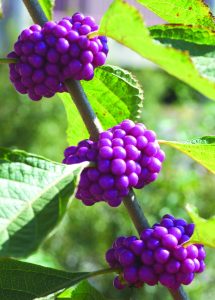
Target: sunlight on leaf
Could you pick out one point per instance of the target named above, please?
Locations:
(81, 291)
(34, 194)
(193, 12)
(204, 228)
(193, 34)
(201, 150)
(123, 23)
(47, 6)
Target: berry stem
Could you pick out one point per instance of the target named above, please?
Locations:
(178, 294)
(8, 60)
(135, 212)
(35, 11)
(101, 272)
(94, 128)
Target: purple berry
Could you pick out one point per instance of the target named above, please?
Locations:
(176, 232)
(192, 251)
(106, 182)
(168, 280)
(187, 266)
(180, 253)
(119, 242)
(189, 229)
(146, 274)
(117, 284)
(159, 232)
(201, 253)
(126, 258)
(166, 222)
(173, 266)
(169, 241)
(161, 255)
(127, 242)
(118, 166)
(130, 274)
(137, 247)
(152, 243)
(147, 257)
(184, 278)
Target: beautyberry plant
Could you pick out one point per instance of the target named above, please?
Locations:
(58, 57)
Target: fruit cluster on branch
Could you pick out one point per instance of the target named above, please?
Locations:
(56, 52)
(157, 256)
(125, 156)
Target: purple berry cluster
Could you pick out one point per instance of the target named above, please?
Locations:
(125, 156)
(50, 55)
(158, 256)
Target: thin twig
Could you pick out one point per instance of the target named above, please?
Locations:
(135, 212)
(8, 60)
(94, 128)
(36, 12)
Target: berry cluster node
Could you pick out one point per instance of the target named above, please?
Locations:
(56, 52)
(125, 156)
(158, 256)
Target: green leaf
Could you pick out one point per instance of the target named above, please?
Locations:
(34, 193)
(47, 6)
(20, 280)
(201, 150)
(202, 56)
(114, 95)
(76, 129)
(82, 291)
(124, 23)
(204, 229)
(188, 33)
(193, 12)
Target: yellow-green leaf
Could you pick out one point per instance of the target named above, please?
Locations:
(204, 229)
(189, 33)
(201, 150)
(47, 6)
(194, 12)
(125, 24)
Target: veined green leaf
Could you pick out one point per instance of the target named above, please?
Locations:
(81, 291)
(114, 95)
(189, 33)
(204, 229)
(201, 150)
(202, 56)
(192, 12)
(124, 23)
(47, 6)
(20, 280)
(34, 193)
